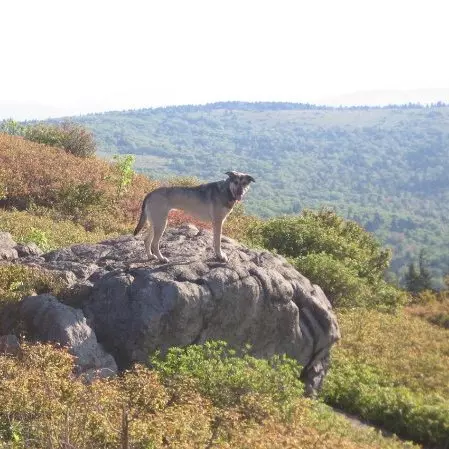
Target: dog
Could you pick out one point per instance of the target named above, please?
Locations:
(208, 202)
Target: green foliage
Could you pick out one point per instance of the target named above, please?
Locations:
(125, 173)
(75, 200)
(337, 254)
(48, 229)
(44, 406)
(74, 138)
(361, 389)
(393, 369)
(227, 378)
(419, 280)
(17, 281)
(39, 237)
(12, 127)
(43, 133)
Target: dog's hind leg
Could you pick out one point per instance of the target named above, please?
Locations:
(148, 242)
(158, 223)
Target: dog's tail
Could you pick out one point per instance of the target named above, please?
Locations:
(142, 219)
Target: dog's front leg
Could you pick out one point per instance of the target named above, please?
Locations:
(217, 227)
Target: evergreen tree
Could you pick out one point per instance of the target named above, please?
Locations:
(425, 278)
(412, 279)
(418, 280)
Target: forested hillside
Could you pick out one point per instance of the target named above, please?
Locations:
(384, 167)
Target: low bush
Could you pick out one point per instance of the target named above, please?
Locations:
(48, 230)
(17, 281)
(393, 370)
(363, 390)
(434, 309)
(83, 190)
(339, 255)
(72, 137)
(229, 380)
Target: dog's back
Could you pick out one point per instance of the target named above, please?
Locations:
(196, 201)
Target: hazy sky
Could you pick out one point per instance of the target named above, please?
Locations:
(94, 55)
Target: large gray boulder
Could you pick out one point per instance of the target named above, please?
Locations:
(136, 306)
(47, 319)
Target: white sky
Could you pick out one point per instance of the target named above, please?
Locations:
(95, 55)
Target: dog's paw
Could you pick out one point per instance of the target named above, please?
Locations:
(222, 257)
(163, 260)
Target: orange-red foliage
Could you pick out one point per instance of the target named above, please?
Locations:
(179, 217)
(32, 173)
(36, 174)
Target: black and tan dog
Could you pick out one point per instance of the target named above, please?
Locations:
(208, 202)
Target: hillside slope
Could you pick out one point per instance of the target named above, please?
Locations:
(384, 167)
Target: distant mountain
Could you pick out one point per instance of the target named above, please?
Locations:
(389, 97)
(387, 168)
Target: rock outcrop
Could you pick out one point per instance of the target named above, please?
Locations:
(10, 250)
(7, 247)
(135, 306)
(49, 320)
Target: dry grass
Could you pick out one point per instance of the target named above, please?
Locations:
(407, 348)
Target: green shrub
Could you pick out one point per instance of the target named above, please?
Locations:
(364, 390)
(12, 127)
(43, 133)
(45, 406)
(228, 379)
(74, 200)
(47, 228)
(339, 255)
(74, 138)
(123, 166)
(39, 237)
(17, 281)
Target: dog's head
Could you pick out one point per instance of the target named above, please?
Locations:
(239, 183)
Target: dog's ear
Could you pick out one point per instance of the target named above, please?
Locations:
(250, 178)
(231, 174)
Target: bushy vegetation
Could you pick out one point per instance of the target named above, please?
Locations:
(337, 254)
(48, 230)
(70, 136)
(393, 370)
(43, 405)
(17, 281)
(48, 180)
(231, 379)
(432, 306)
